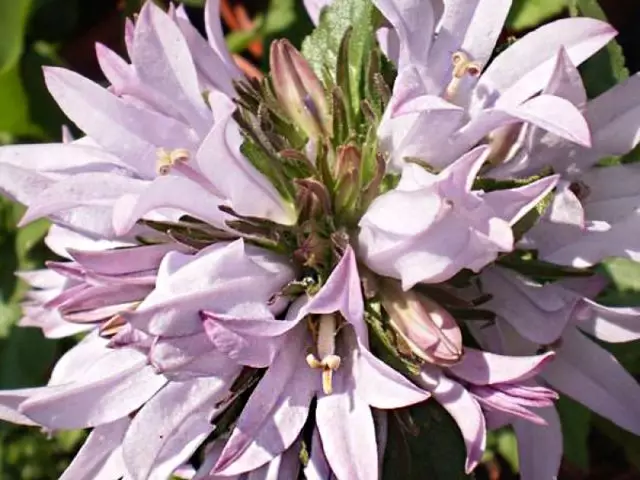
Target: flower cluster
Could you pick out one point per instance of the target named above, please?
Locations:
(263, 271)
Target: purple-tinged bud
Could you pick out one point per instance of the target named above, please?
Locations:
(312, 198)
(299, 90)
(429, 330)
(347, 173)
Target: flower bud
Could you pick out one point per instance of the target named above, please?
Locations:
(429, 330)
(299, 90)
(346, 172)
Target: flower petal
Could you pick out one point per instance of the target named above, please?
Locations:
(592, 376)
(539, 446)
(485, 368)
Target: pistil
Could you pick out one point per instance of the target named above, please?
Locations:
(462, 66)
(177, 161)
(329, 362)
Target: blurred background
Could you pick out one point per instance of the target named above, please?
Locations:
(34, 33)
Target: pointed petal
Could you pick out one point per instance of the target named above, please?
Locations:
(539, 446)
(131, 133)
(98, 399)
(163, 60)
(614, 119)
(381, 386)
(215, 35)
(539, 313)
(513, 204)
(524, 69)
(347, 430)
(609, 324)
(100, 457)
(592, 376)
(471, 26)
(566, 81)
(415, 22)
(221, 161)
(275, 412)
(467, 414)
(341, 293)
(484, 368)
(168, 192)
(171, 426)
(10, 401)
(84, 189)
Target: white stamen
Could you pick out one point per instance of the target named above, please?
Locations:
(462, 66)
(326, 347)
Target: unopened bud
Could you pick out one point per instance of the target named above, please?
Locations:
(429, 330)
(347, 175)
(299, 90)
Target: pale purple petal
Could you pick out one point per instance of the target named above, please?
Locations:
(169, 428)
(275, 412)
(471, 26)
(524, 68)
(484, 368)
(219, 157)
(100, 457)
(346, 428)
(215, 35)
(466, 412)
(414, 22)
(610, 324)
(539, 446)
(513, 204)
(131, 133)
(168, 192)
(592, 376)
(163, 61)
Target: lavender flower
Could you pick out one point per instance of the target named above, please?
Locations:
(256, 265)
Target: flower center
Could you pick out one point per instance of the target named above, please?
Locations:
(325, 334)
(462, 67)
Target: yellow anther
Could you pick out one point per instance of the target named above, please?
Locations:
(167, 159)
(462, 66)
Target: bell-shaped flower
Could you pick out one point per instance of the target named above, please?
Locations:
(432, 226)
(443, 102)
(342, 374)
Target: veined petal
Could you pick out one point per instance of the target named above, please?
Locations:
(105, 392)
(130, 132)
(381, 386)
(168, 192)
(514, 203)
(539, 446)
(275, 412)
(249, 192)
(169, 428)
(163, 60)
(469, 26)
(524, 68)
(485, 368)
(100, 457)
(84, 189)
(415, 22)
(466, 412)
(614, 120)
(346, 427)
(610, 324)
(592, 376)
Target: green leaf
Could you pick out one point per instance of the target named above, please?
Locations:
(507, 447)
(14, 113)
(13, 18)
(576, 425)
(624, 275)
(322, 46)
(607, 67)
(424, 442)
(526, 14)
